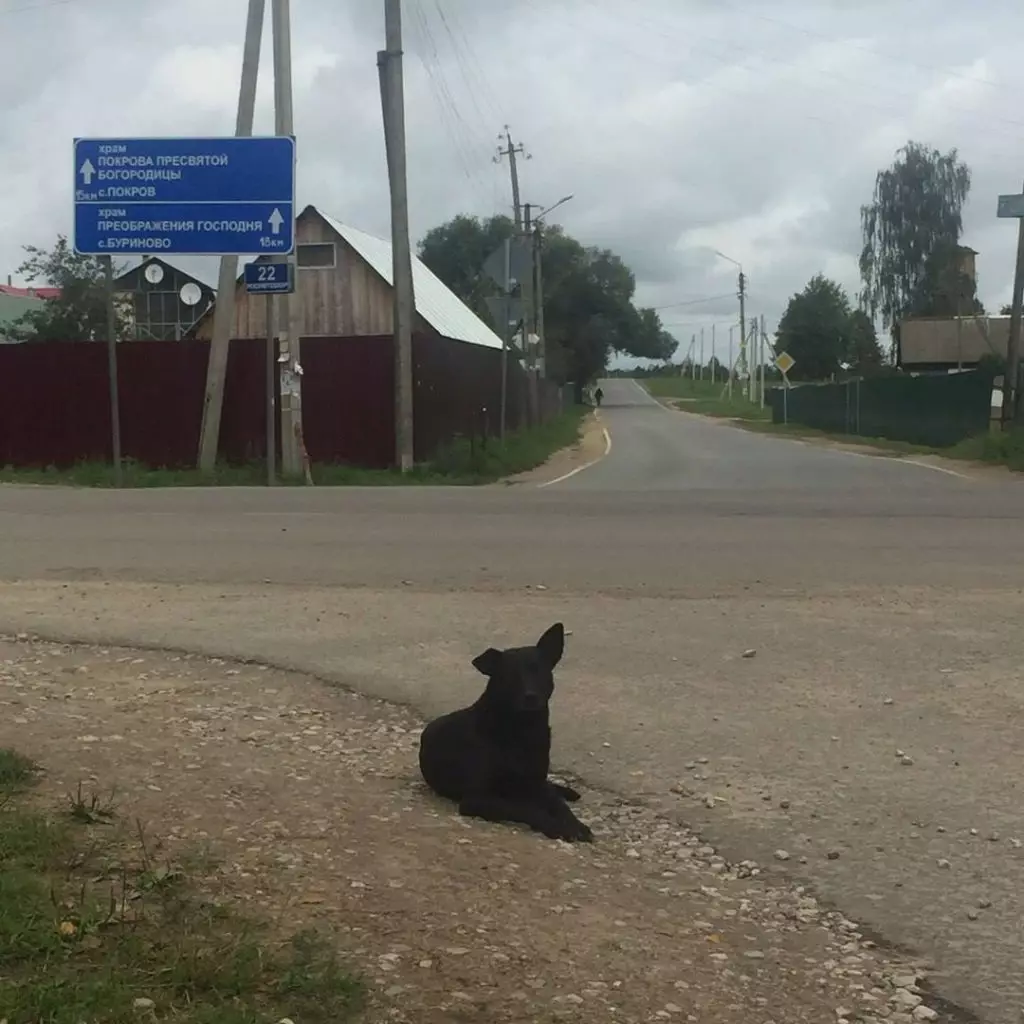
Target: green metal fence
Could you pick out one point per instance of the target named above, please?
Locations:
(938, 410)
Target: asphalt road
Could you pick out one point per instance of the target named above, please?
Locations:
(882, 600)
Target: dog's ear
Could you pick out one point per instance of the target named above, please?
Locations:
(552, 644)
(488, 663)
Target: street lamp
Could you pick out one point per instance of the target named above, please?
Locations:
(554, 206)
(536, 291)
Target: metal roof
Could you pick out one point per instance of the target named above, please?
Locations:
(435, 301)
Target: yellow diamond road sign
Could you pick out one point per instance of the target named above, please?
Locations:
(785, 362)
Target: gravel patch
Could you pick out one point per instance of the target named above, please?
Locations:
(308, 800)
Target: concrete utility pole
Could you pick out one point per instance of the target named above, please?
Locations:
(289, 311)
(743, 320)
(702, 353)
(760, 357)
(530, 319)
(752, 378)
(392, 92)
(538, 296)
(511, 152)
(1013, 410)
(224, 310)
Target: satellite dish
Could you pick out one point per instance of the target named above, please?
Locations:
(154, 273)
(190, 293)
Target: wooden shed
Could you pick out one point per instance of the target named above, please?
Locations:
(344, 289)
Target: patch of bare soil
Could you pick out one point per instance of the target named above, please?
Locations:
(590, 447)
(310, 802)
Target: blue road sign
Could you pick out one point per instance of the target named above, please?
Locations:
(216, 196)
(269, 278)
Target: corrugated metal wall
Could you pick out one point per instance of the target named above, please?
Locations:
(54, 405)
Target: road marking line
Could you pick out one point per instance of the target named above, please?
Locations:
(650, 398)
(586, 465)
(826, 447)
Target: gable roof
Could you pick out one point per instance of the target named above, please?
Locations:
(435, 301)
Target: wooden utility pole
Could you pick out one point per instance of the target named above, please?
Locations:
(115, 401)
(224, 310)
(392, 94)
(511, 151)
(289, 311)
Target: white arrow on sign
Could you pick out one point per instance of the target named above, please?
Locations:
(87, 171)
(276, 220)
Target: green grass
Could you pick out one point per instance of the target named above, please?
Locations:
(997, 449)
(462, 463)
(706, 398)
(15, 770)
(94, 928)
(884, 445)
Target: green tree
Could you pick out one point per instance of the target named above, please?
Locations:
(910, 262)
(79, 313)
(457, 251)
(588, 294)
(815, 329)
(863, 353)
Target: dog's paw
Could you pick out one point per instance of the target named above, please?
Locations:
(576, 832)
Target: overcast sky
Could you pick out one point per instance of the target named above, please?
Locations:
(679, 126)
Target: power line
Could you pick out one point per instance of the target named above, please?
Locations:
(458, 131)
(470, 67)
(697, 302)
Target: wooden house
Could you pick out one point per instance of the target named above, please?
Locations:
(344, 290)
(160, 302)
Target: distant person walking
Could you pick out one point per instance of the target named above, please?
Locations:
(598, 395)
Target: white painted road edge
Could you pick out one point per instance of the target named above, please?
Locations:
(838, 451)
(586, 465)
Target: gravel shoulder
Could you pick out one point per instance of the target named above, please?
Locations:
(591, 447)
(308, 798)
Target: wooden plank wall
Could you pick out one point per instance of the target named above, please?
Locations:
(348, 300)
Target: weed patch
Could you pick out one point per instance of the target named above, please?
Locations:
(93, 926)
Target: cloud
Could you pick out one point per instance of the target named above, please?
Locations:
(680, 127)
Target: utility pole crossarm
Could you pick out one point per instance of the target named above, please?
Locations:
(512, 150)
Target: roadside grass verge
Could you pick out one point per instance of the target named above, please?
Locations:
(884, 445)
(996, 449)
(464, 462)
(95, 927)
(993, 449)
(706, 398)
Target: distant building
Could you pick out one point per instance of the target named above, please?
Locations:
(160, 302)
(948, 343)
(345, 290)
(16, 302)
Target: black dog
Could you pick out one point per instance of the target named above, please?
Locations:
(493, 757)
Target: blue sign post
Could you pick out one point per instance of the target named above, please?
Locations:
(211, 197)
(269, 278)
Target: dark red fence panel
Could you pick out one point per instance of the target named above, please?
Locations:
(348, 388)
(55, 406)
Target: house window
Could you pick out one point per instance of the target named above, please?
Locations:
(315, 255)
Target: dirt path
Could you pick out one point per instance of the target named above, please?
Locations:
(591, 446)
(309, 799)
